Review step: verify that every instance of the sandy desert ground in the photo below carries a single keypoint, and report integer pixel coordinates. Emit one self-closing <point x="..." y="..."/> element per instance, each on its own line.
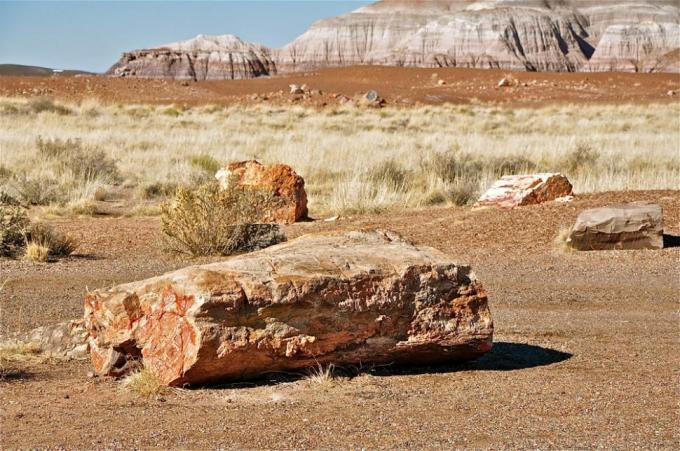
<point x="398" y="86"/>
<point x="586" y="349"/>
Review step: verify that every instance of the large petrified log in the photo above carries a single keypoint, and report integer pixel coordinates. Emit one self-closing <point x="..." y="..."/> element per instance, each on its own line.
<point x="518" y="190"/>
<point x="636" y="225"/>
<point x="345" y="298"/>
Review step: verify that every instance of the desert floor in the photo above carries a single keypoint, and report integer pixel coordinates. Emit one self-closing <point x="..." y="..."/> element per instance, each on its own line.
<point x="586" y="349"/>
<point x="397" y="85"/>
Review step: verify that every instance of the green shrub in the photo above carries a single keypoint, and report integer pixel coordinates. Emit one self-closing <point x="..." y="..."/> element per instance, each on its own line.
<point x="13" y="225"/>
<point x="212" y="221"/>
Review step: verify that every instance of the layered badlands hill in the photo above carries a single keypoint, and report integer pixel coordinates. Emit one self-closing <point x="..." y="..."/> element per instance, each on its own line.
<point x="533" y="35"/>
<point x="201" y="58"/>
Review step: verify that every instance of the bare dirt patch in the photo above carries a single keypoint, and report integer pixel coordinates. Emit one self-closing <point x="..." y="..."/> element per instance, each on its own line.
<point x="398" y="86"/>
<point x="586" y="350"/>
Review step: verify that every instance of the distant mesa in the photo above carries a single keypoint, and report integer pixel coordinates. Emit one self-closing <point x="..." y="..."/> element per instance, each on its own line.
<point x="529" y="35"/>
<point x="201" y="58"/>
<point x="19" y="70"/>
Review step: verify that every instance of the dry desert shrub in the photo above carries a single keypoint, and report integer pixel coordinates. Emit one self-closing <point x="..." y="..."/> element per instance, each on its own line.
<point x="36" y="252"/>
<point x="58" y="244"/>
<point x="213" y="221"/>
<point x="13" y="225"/>
<point x="144" y="382"/>
<point x="43" y="105"/>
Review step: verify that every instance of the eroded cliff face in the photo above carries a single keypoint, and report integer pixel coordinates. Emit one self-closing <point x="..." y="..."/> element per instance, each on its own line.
<point x="200" y="58"/>
<point x="534" y="35"/>
<point x="633" y="35"/>
<point x="554" y="35"/>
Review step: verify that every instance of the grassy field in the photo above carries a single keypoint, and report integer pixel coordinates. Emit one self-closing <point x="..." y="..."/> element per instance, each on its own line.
<point x="69" y="156"/>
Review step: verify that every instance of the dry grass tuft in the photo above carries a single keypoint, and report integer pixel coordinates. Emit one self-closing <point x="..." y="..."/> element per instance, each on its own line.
<point x="322" y="375"/>
<point x="145" y="383"/>
<point x="57" y="243"/>
<point x="36" y="252"/>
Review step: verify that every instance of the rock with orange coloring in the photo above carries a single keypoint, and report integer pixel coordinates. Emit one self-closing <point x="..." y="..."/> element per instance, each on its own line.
<point x="280" y="179"/>
<point x="518" y="190"/>
<point x="343" y="298"/>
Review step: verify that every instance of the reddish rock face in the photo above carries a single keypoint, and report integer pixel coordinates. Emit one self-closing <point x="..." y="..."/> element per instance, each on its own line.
<point x="349" y="298"/>
<point x="280" y="179"/>
<point x="518" y="190"/>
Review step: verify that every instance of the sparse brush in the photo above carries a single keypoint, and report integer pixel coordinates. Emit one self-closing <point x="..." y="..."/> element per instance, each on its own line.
<point x="13" y="225"/>
<point x="583" y="156"/>
<point x="42" y="105"/>
<point x="321" y="375"/>
<point x="214" y="221"/>
<point x="206" y="163"/>
<point x="6" y="199"/>
<point x="463" y="193"/>
<point x="84" y="164"/>
<point x="5" y="173"/>
<point x="35" y="189"/>
<point x="36" y="252"/>
<point x="157" y="190"/>
<point x="145" y="383"/>
<point x="389" y="172"/>
<point x="56" y="243"/>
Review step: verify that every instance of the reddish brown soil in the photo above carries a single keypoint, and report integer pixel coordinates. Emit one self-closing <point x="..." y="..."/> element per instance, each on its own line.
<point x="399" y="86"/>
<point x="586" y="351"/>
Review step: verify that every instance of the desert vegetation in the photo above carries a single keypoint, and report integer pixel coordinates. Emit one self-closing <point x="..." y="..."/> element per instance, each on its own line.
<point x="72" y="157"/>
<point x="209" y="220"/>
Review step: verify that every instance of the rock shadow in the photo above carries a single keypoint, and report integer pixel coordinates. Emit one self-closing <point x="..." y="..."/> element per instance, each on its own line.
<point x="670" y="241"/>
<point x="504" y="356"/>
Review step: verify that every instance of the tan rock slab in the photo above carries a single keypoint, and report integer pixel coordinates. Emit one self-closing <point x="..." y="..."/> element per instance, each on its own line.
<point x="637" y="225"/>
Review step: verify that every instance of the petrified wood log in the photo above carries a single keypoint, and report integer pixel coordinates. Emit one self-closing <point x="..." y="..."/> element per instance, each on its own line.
<point x="347" y="298"/>
<point x="635" y="225"/>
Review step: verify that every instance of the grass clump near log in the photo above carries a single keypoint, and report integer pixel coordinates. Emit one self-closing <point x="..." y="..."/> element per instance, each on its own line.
<point x="210" y="220"/>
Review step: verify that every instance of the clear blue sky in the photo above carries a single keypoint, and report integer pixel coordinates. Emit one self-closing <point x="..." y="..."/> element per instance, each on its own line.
<point x="90" y="35"/>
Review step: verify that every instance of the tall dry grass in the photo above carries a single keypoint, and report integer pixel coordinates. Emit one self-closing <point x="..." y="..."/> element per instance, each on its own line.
<point x="352" y="159"/>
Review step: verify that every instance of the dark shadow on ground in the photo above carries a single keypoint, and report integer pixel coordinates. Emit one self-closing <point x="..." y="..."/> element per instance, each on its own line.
<point x="503" y="356"/>
<point x="671" y="240"/>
